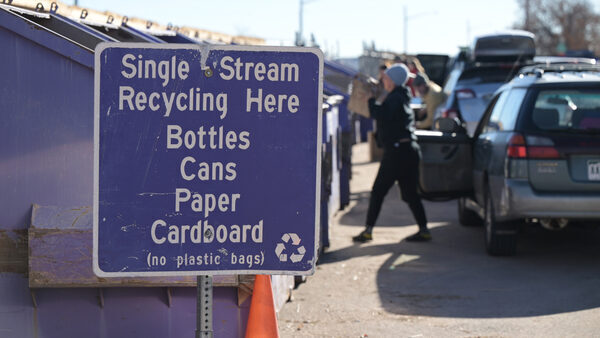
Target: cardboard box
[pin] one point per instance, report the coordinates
(363, 88)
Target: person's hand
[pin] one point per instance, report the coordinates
(376, 91)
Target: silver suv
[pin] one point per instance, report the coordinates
(534, 157)
(478, 72)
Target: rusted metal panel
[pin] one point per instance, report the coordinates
(60, 254)
(13, 251)
(52, 217)
(245, 288)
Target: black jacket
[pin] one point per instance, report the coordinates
(395, 119)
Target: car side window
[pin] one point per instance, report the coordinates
(485, 117)
(451, 81)
(492, 122)
(505, 117)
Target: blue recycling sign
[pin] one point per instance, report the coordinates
(206, 159)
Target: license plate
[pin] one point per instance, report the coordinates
(593, 170)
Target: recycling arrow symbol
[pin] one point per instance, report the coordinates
(292, 241)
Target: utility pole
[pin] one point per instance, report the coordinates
(405, 24)
(527, 13)
(299, 38)
(468, 32)
(405, 21)
(300, 33)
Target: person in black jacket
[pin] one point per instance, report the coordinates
(401, 153)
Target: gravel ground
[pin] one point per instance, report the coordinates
(448, 287)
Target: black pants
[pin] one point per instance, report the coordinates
(399, 164)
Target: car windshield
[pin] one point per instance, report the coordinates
(568, 109)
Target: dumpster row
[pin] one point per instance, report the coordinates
(47, 286)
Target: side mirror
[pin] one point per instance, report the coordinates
(448, 125)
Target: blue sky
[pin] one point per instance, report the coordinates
(433, 26)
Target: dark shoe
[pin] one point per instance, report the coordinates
(421, 236)
(363, 237)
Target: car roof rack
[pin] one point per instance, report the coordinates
(539, 70)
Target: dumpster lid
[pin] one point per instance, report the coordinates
(159, 32)
(120, 33)
(25, 11)
(65, 28)
(59, 34)
(99, 24)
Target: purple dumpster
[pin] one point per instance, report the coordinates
(47, 287)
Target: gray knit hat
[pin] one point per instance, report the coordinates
(399, 73)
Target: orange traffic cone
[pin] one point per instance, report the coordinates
(262, 321)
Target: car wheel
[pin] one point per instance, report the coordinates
(500, 238)
(466, 216)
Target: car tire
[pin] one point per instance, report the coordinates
(500, 237)
(466, 216)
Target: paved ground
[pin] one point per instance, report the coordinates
(448, 287)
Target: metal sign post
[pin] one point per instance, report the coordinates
(204, 307)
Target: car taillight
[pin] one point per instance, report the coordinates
(541, 147)
(452, 113)
(465, 94)
(516, 147)
(536, 147)
(516, 164)
(521, 148)
(542, 152)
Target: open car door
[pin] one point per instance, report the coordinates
(445, 170)
(436, 66)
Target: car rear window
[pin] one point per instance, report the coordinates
(487, 75)
(514, 43)
(567, 109)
